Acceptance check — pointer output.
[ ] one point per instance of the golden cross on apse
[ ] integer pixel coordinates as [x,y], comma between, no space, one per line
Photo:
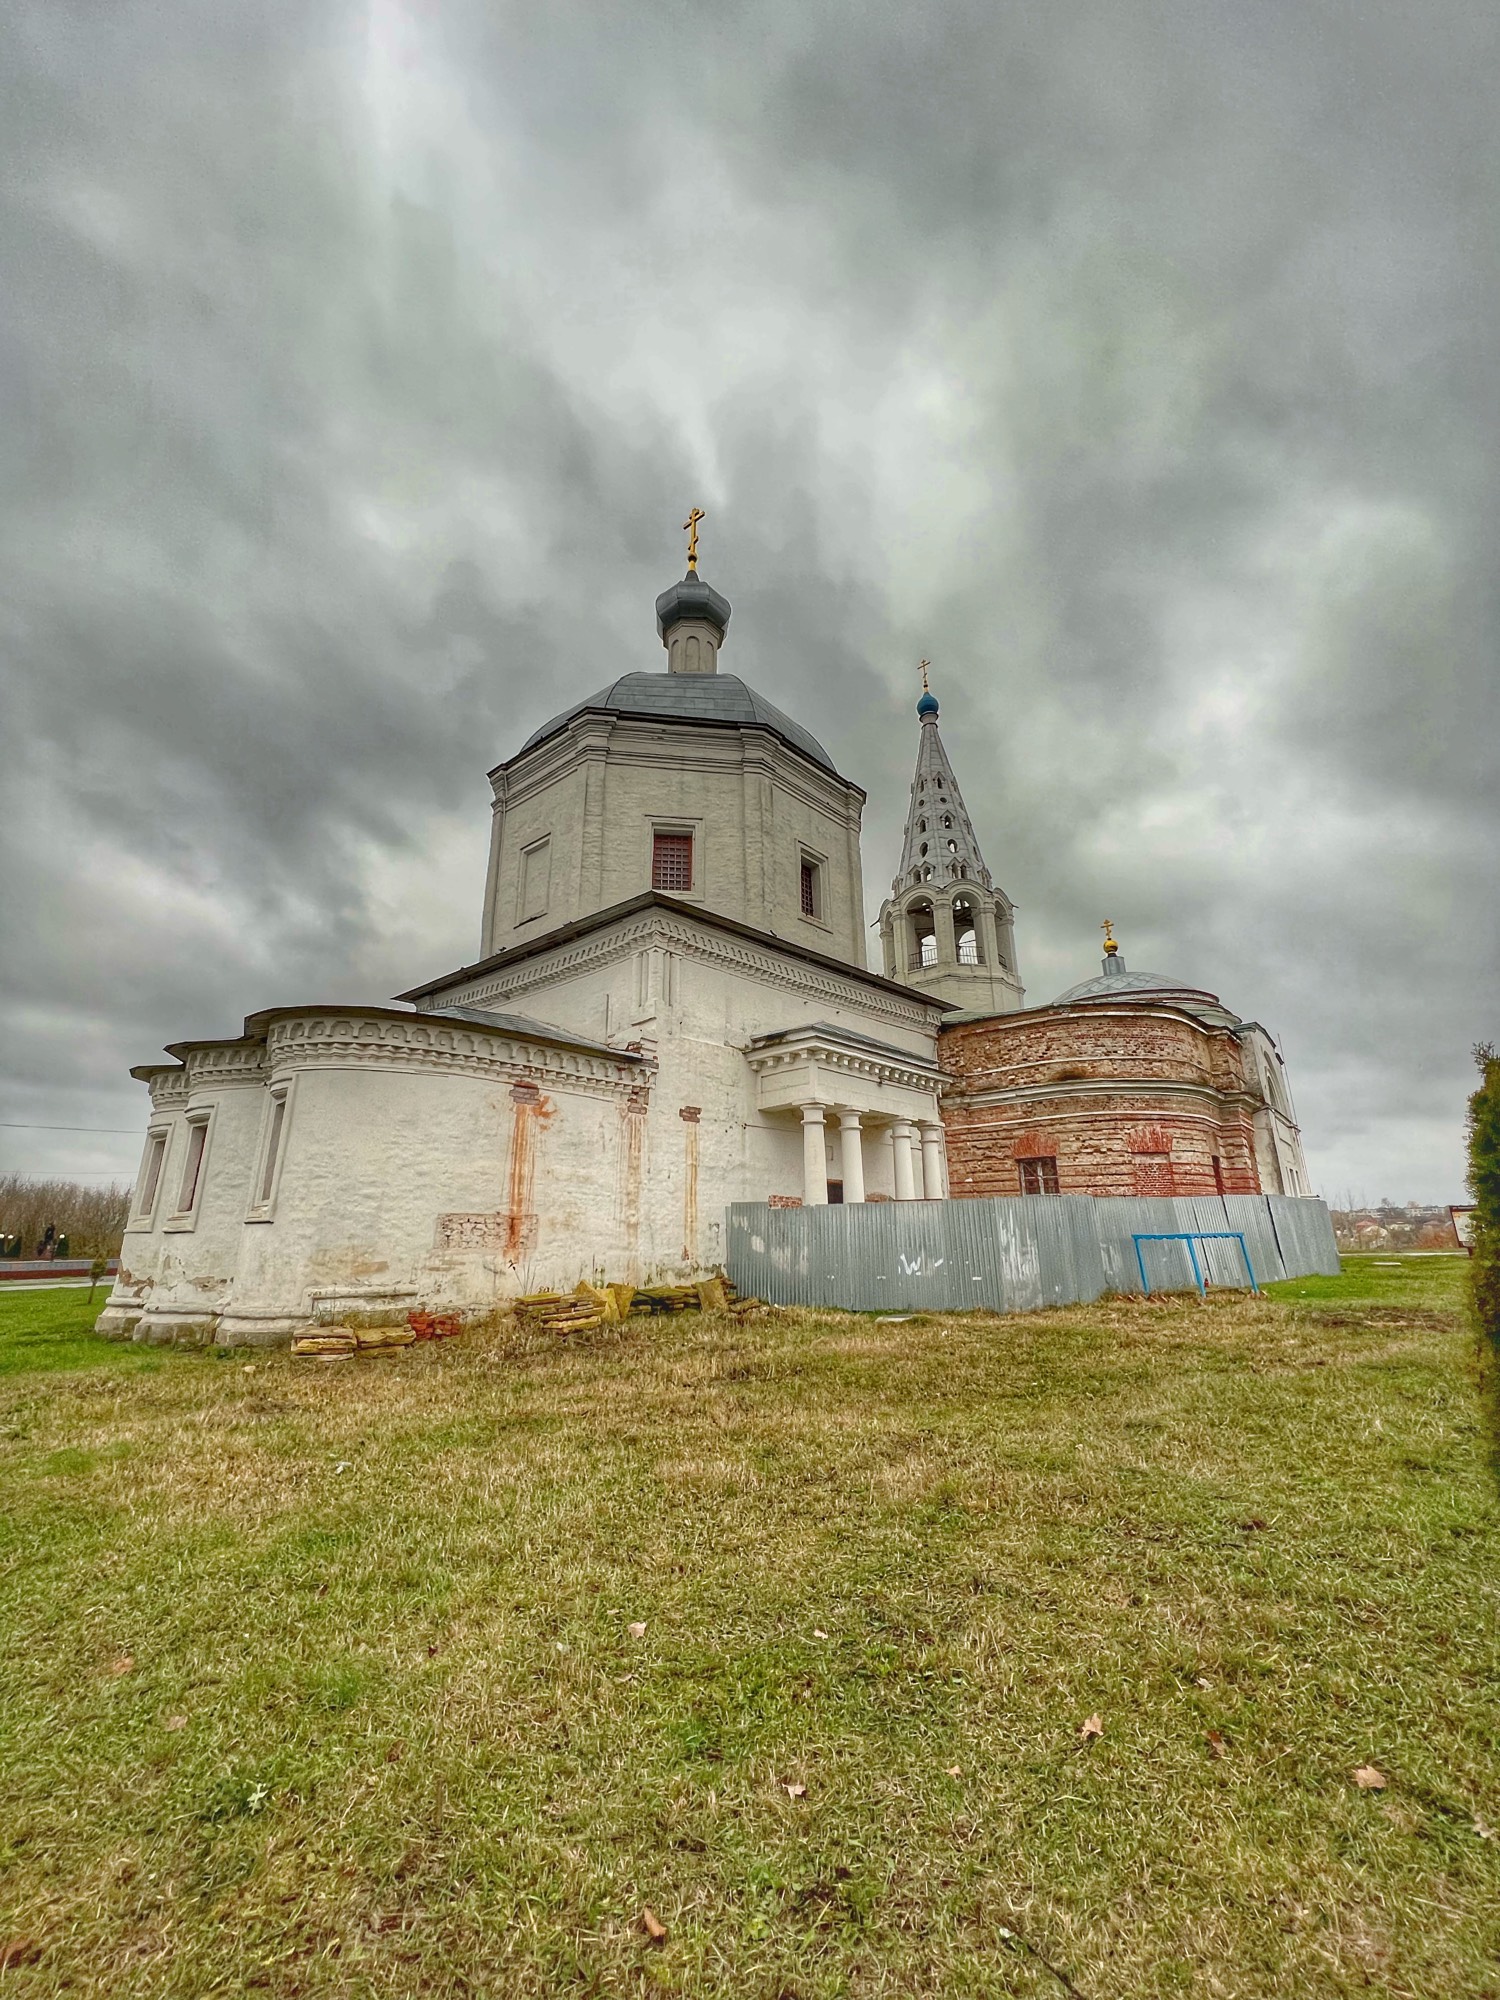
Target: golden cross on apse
[925,665]
[1109,935]
[691,524]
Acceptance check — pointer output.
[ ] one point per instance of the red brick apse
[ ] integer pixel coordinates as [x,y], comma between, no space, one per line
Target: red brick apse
[1144,1093]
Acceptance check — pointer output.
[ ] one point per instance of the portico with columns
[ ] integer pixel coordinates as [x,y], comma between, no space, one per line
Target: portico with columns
[866,1108]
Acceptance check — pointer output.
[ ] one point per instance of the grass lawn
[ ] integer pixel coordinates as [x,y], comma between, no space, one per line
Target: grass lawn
[330,1680]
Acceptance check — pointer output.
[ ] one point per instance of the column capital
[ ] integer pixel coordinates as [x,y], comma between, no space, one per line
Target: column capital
[812,1114]
[850,1120]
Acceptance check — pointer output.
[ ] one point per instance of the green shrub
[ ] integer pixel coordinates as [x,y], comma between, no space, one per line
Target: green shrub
[1484,1185]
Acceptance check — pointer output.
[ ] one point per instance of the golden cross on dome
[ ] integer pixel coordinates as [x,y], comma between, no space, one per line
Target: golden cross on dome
[1110,945]
[691,524]
[925,688]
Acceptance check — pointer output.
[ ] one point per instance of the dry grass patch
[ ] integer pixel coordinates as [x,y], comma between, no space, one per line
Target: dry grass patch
[426,1676]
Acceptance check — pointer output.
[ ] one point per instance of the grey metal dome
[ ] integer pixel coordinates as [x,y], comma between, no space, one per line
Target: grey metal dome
[1115,982]
[715,699]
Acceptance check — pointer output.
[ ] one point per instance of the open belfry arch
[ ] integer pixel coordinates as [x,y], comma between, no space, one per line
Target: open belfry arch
[945,926]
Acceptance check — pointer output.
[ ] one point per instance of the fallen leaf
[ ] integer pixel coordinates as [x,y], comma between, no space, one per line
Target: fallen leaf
[20,1951]
[396,1752]
[249,1367]
[123,1665]
[1253,1526]
[653,1926]
[1370,1779]
[1485,1832]
[817,1634]
[175,1722]
[342,1466]
[954,1771]
[637,1630]
[1203,1681]
[796,1791]
[1216,1743]
[1092,1727]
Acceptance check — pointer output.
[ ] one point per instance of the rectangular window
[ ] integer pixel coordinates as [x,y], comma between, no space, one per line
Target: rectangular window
[671,861]
[151,1166]
[1218,1175]
[1039,1175]
[273,1149]
[809,887]
[192,1172]
[536,868]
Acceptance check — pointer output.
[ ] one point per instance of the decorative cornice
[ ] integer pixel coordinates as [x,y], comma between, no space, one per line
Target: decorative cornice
[659,929]
[430,1042]
[1122,1086]
[169,1089]
[833,1055]
[223,1062]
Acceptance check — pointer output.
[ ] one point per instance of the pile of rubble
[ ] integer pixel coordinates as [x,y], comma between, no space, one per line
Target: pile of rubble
[589,1306]
[341,1343]
[579,1311]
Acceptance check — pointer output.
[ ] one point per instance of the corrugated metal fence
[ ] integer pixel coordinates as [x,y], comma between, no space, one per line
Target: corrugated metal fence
[1015,1253]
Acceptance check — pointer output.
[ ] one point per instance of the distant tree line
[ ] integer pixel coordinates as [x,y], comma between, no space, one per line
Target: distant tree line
[91,1218]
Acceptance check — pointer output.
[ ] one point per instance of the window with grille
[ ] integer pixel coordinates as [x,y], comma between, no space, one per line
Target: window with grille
[672,861]
[810,889]
[1039,1176]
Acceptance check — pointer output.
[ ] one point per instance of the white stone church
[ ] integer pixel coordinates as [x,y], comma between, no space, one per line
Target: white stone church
[671,1011]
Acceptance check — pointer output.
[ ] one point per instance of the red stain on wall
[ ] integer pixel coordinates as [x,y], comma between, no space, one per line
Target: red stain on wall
[532,1114]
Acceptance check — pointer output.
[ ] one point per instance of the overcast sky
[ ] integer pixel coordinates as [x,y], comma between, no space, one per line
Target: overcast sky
[1137,361]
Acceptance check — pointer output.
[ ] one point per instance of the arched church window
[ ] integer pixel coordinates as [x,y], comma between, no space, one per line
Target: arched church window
[947,819]
[953,847]
[923,848]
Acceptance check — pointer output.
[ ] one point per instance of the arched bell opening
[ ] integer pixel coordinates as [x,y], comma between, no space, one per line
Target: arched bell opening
[921,934]
[966,932]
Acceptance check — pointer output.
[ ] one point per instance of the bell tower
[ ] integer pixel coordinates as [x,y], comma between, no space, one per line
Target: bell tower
[945,927]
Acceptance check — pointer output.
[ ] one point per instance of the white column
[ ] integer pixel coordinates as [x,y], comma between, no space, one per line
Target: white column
[906,1184]
[851,1156]
[932,1162]
[814,1158]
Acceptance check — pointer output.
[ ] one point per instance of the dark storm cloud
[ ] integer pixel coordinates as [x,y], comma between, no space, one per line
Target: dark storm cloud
[1134,362]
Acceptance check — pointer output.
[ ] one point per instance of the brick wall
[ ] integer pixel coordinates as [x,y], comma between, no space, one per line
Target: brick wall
[1129,1099]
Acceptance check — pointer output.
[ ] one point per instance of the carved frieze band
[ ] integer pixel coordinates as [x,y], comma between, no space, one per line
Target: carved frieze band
[847,1063]
[712,947]
[346,1039]
[169,1090]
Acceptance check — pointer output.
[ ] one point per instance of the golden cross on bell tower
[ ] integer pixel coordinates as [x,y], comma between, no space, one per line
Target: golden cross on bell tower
[691,524]
[925,688]
[1110,944]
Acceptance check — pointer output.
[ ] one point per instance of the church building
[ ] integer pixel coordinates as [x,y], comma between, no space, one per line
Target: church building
[671,1011]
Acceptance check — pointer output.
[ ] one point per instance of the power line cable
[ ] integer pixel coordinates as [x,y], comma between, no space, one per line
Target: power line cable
[17,1125]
